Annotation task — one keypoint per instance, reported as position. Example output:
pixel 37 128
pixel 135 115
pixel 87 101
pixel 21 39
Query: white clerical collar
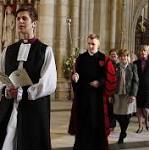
pixel 91 54
pixel 23 52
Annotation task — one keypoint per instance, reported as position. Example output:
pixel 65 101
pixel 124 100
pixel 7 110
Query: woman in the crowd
pixel 114 58
pixel 125 97
pixel 143 92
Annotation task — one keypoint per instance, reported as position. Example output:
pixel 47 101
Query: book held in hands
pixel 18 78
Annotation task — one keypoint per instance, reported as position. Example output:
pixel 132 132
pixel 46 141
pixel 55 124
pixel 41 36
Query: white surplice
pixel 45 86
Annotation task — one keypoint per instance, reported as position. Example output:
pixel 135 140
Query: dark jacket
pixel 143 91
pixel 132 79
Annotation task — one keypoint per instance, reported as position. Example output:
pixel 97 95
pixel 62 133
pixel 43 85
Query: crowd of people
pixel 136 88
pixel 106 89
pixel 92 103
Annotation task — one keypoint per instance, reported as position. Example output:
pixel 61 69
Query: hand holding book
pixel 18 78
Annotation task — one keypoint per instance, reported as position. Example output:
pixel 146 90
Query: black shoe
pixel 140 130
pixel 147 128
pixel 121 138
pixel 120 141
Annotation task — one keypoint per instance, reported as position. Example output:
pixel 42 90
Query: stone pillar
pixel 1 20
pixel 124 29
pixel 119 17
pixel 112 23
pixel 129 18
pixel 45 25
pixel 131 38
pixel 46 21
pixel 91 16
pixel 103 24
pixel 60 45
pixel 83 23
pixel 96 24
pixel 74 13
pixel 128 25
pixel 146 11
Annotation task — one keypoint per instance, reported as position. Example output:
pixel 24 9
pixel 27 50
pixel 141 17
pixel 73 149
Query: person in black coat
pixel 94 78
pixel 143 93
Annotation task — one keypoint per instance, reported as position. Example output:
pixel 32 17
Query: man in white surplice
pixel 29 105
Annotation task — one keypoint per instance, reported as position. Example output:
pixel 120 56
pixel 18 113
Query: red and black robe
pixel 89 120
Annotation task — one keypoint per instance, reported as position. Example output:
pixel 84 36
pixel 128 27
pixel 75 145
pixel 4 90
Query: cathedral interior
pixel 65 24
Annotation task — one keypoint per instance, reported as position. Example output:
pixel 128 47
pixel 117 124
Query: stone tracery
pixel 7 24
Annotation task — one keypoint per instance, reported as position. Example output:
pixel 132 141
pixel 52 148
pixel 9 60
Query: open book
pixel 18 78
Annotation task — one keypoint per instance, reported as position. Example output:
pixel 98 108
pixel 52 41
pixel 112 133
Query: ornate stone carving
pixel 7 24
pixel 8 31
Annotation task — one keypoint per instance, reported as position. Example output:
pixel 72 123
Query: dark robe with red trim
pixel 89 120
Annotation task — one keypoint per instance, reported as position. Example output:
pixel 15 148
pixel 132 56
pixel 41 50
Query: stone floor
pixel 61 140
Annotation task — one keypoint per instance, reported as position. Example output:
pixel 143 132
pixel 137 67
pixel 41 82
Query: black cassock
pixel 91 133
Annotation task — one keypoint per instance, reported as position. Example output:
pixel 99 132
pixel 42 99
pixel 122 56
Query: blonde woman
pixel 143 91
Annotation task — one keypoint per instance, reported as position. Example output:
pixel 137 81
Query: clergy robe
pixel 33 118
pixel 89 115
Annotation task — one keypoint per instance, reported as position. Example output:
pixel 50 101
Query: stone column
pixel 112 23
pixel 96 24
pixel 123 25
pixel 146 11
pixel 60 45
pixel 45 25
pixel 103 23
pixel 129 18
pixel 74 13
pixel 46 21
pixel 83 23
pixel 1 20
pixel 91 16
pixel 119 18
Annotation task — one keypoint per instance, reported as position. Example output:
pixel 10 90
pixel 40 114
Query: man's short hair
pixel 93 36
pixel 30 9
